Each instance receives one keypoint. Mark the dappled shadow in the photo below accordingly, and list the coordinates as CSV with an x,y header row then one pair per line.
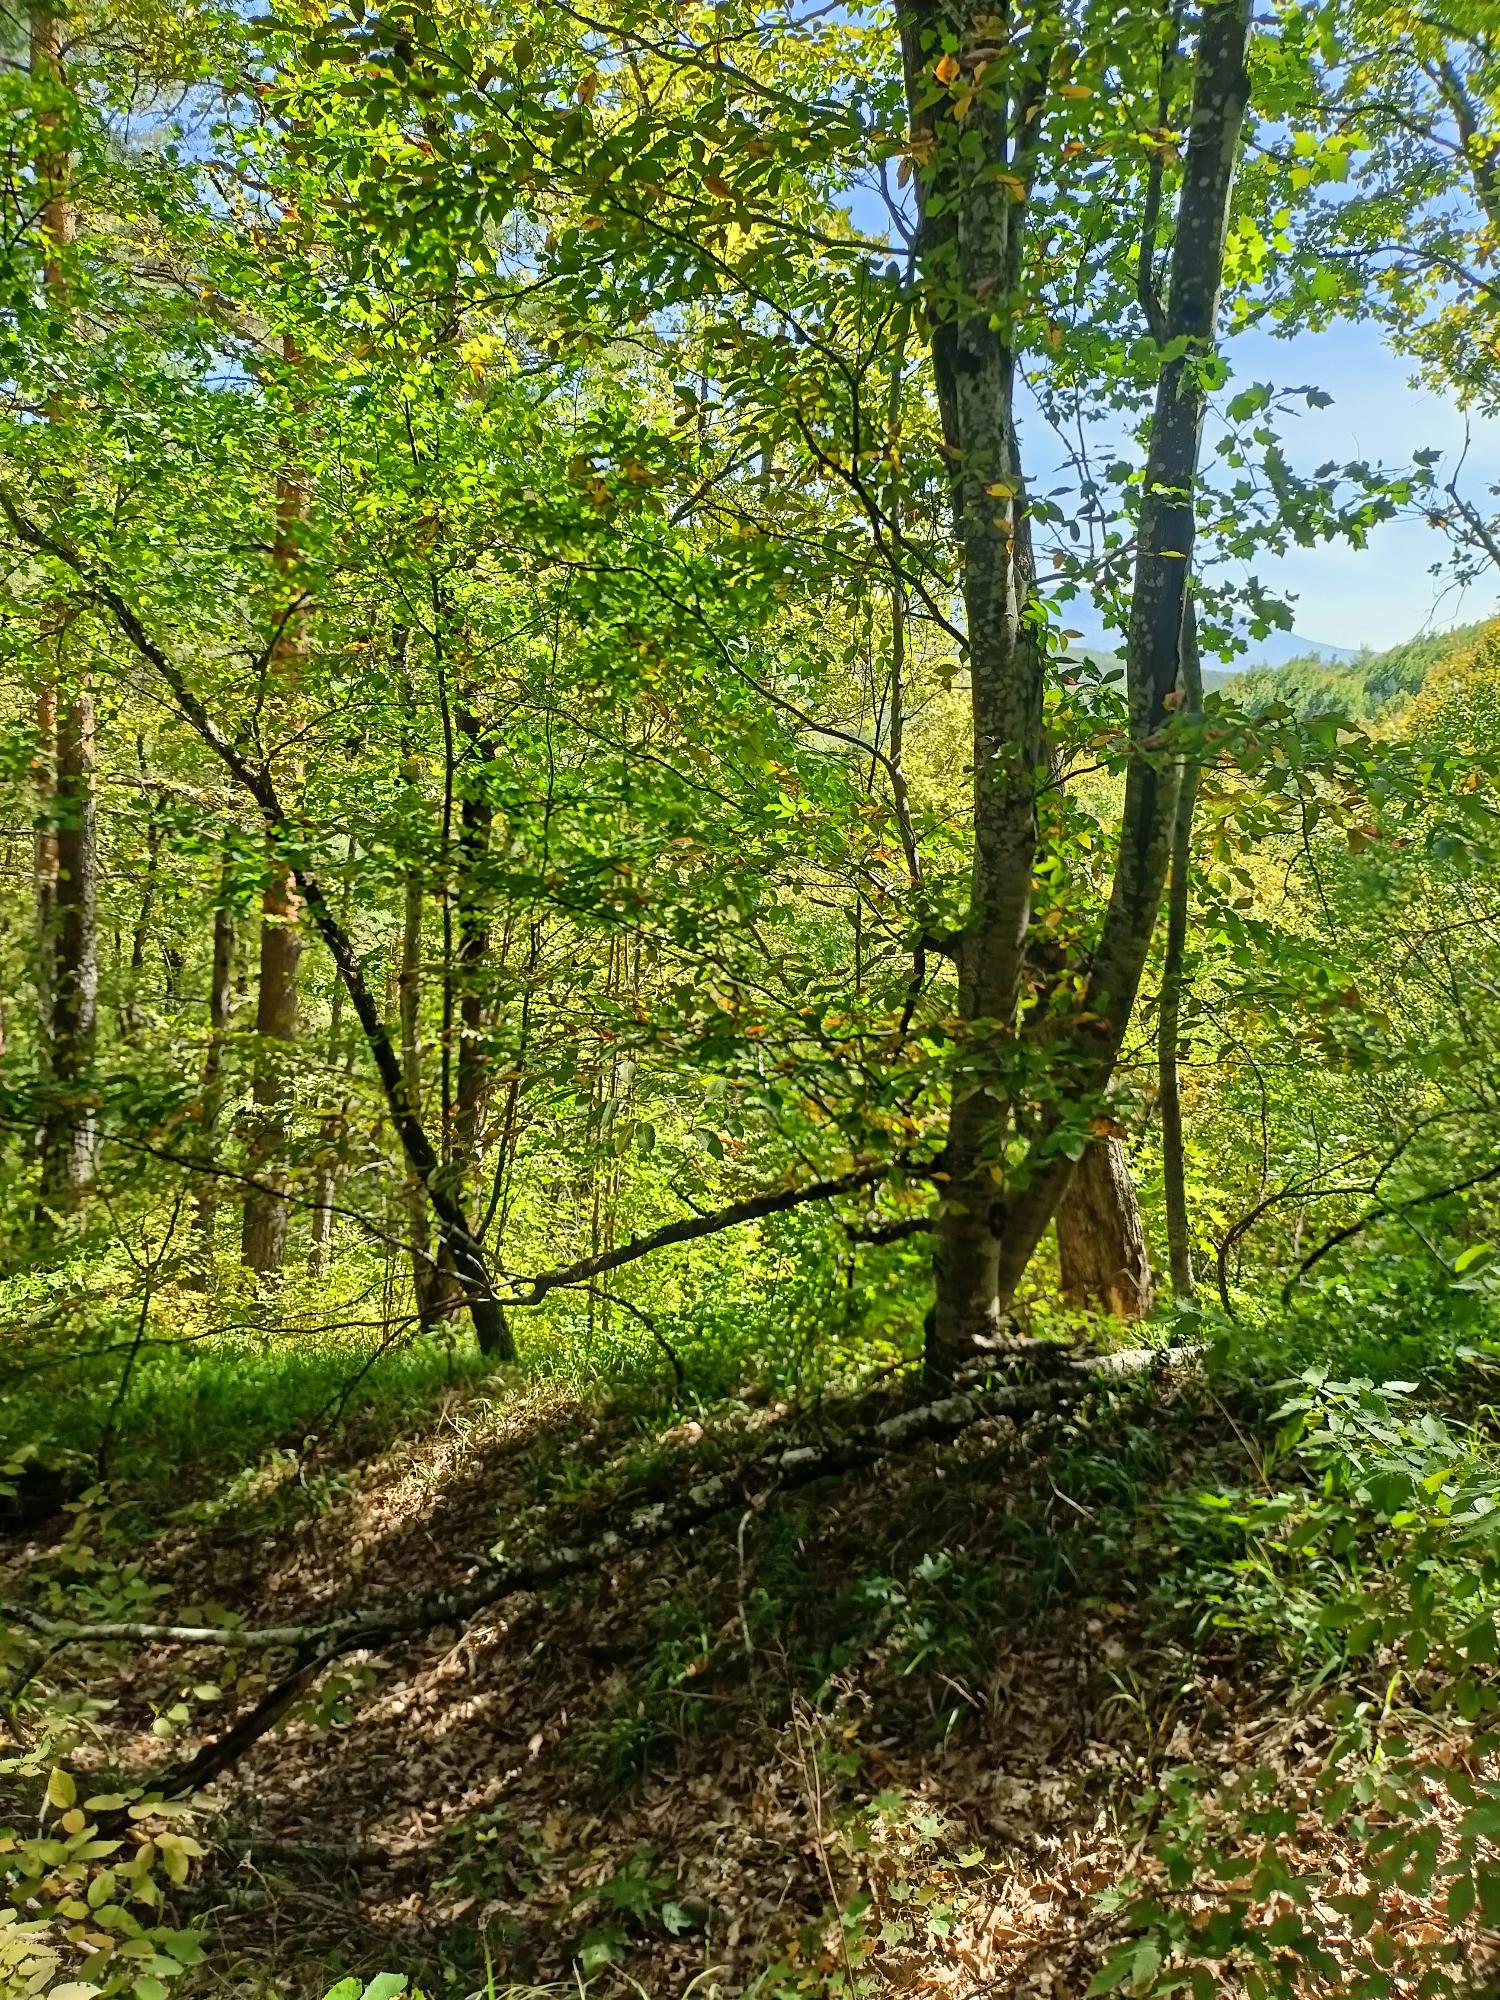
x,y
933,1685
671,1743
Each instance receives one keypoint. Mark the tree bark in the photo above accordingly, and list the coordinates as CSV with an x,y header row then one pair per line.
x,y
68,1142
336,1125
220,1007
140,936
1173,980
65,848
44,863
429,1281
264,1229
1103,1261
970,243
266,1213
1154,645
476,819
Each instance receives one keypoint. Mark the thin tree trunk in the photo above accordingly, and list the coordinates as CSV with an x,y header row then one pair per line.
x,y
264,1233
69,1140
1103,1261
45,856
1174,1175
336,1128
428,1281
141,933
220,1008
475,822
65,855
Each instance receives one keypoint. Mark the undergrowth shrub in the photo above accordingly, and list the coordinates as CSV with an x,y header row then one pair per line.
x,y
1369,1561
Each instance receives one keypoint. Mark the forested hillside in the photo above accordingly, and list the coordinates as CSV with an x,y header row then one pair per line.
x,y
722,1270
1367,687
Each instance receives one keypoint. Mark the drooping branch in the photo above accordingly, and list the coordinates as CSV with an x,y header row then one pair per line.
x,y
1384,1211
691,1227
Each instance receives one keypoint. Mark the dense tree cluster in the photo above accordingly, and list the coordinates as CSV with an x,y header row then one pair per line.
x,y
555,799
537,634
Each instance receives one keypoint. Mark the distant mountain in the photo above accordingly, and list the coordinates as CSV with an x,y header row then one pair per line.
x,y
1277,648
1360,684
1313,679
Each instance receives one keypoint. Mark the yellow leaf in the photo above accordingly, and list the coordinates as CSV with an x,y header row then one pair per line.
x,y
73,1821
61,1790
1074,90
945,69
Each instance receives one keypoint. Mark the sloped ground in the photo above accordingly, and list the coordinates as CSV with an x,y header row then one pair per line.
x,y
924,1696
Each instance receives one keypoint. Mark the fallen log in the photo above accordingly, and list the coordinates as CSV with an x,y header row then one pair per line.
x,y
751,1486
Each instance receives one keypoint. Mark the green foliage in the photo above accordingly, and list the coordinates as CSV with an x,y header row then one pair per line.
x,y
1376,1573
82,1906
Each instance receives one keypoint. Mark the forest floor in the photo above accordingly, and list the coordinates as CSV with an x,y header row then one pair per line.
x,y
886,1733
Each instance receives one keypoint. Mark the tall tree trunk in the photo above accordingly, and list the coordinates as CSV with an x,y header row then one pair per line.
x,y
476,819
220,1007
44,866
429,1284
140,936
335,1134
68,1143
970,246
264,1229
1174,1175
336,1126
1165,536
66,853
264,1233
1103,1261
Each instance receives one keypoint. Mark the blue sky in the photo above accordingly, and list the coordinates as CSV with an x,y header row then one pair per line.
x,y
1386,592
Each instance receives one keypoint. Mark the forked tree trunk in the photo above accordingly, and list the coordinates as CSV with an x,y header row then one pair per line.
x,y
973,259
971,245
1103,1261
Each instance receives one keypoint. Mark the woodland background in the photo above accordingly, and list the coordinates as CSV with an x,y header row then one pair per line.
x,y
725,1265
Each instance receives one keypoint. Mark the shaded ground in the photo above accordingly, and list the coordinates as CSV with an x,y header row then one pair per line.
x,y
924,1696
